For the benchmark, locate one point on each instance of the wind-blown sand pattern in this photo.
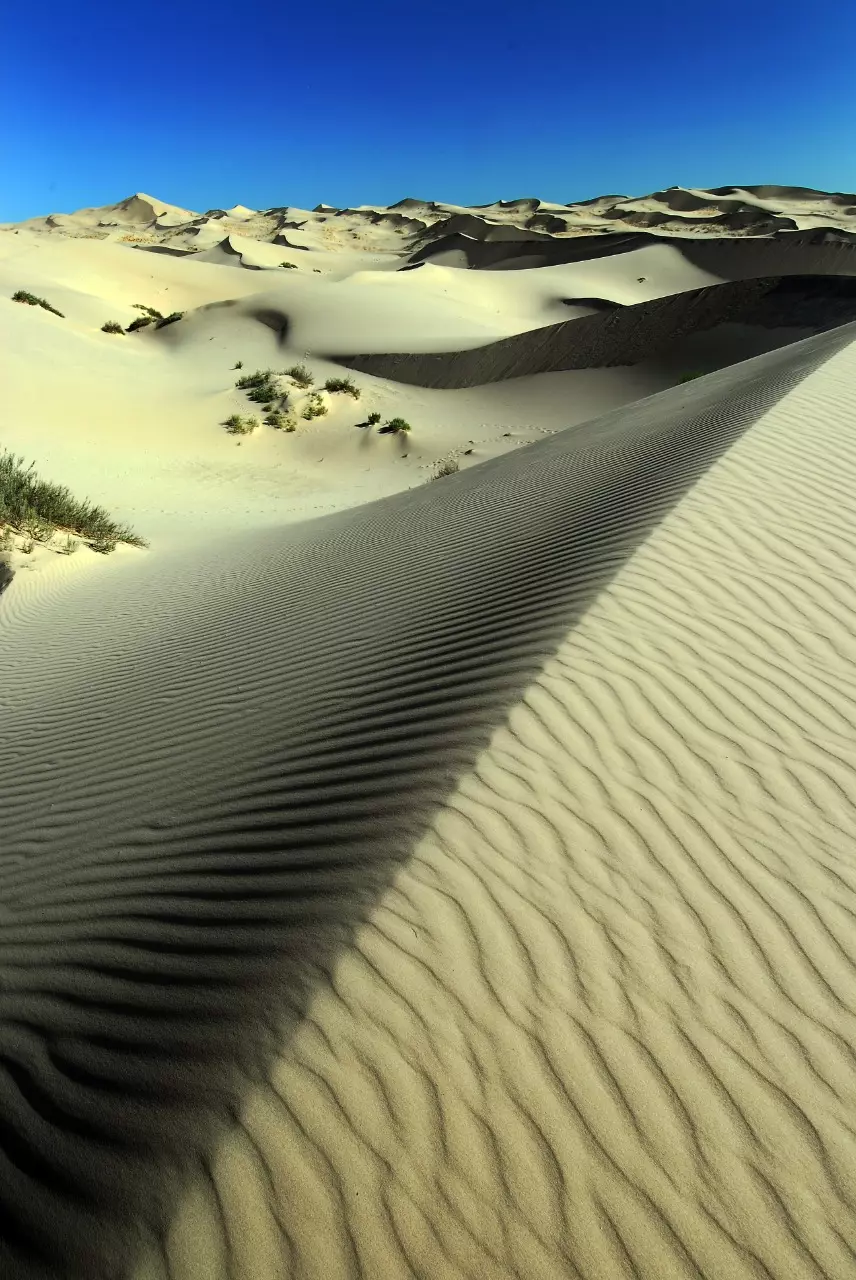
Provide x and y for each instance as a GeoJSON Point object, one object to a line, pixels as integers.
{"type": "Point", "coordinates": [457, 885]}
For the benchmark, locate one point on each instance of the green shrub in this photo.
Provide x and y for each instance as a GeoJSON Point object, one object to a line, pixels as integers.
{"type": "Point", "coordinates": [31, 506]}
{"type": "Point", "coordinates": [239, 364]}
{"type": "Point", "coordinates": [33, 301]}
{"type": "Point", "coordinates": [170, 319]}
{"type": "Point", "coordinates": [293, 265]}
{"type": "Point", "coordinates": [103, 545]}
{"type": "Point", "coordinates": [280, 421]}
{"type": "Point", "coordinates": [260, 386]}
{"type": "Point", "coordinates": [343, 384]}
{"type": "Point", "coordinates": [300, 375]}
{"type": "Point", "coordinates": [373, 419]}
{"type": "Point", "coordinates": [396, 425]}
{"type": "Point", "coordinates": [140, 323]}
{"type": "Point", "coordinates": [315, 406]}
{"type": "Point", "coordinates": [238, 426]}
{"type": "Point", "coordinates": [112, 326]}
{"type": "Point", "coordinates": [150, 311]}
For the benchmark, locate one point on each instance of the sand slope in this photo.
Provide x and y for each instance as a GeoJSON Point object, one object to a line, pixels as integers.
{"type": "Point", "coordinates": [448, 880]}
{"type": "Point", "coordinates": [457, 886]}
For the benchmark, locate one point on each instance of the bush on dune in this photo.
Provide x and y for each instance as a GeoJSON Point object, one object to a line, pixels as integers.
{"type": "Point", "coordinates": [32, 301]}
{"type": "Point", "coordinates": [343, 384]}
{"type": "Point", "coordinates": [150, 311]}
{"type": "Point", "coordinates": [140, 323]}
{"type": "Point", "coordinates": [38, 508]}
{"type": "Point", "coordinates": [170, 319]}
{"type": "Point", "coordinates": [112, 326]}
{"type": "Point", "coordinates": [300, 375]}
{"type": "Point", "coordinates": [315, 406]}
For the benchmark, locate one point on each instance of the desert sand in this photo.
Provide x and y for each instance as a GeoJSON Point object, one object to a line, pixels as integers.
{"type": "Point", "coordinates": [443, 878]}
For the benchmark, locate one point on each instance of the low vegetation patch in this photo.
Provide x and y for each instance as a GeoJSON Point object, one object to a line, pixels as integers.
{"type": "Point", "coordinates": [170, 319]}
{"type": "Point", "coordinates": [281, 421]}
{"type": "Point", "coordinates": [33, 506]}
{"type": "Point", "coordinates": [300, 375]}
{"type": "Point", "coordinates": [292, 265]}
{"type": "Point", "coordinates": [343, 384]}
{"type": "Point", "coordinates": [112, 326]}
{"type": "Point", "coordinates": [238, 426]}
{"type": "Point", "coordinates": [373, 419]}
{"type": "Point", "coordinates": [447, 467]}
{"type": "Point", "coordinates": [260, 386]}
{"type": "Point", "coordinates": [315, 406]}
{"type": "Point", "coordinates": [150, 311]}
{"type": "Point", "coordinates": [395, 426]}
{"type": "Point", "coordinates": [140, 323]}
{"type": "Point", "coordinates": [32, 301]}
{"type": "Point", "coordinates": [239, 364]}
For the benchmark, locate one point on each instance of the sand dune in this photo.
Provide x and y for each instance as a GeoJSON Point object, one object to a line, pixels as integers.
{"type": "Point", "coordinates": [447, 880]}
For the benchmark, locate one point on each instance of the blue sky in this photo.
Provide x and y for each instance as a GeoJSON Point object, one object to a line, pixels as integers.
{"type": "Point", "coordinates": [353, 102]}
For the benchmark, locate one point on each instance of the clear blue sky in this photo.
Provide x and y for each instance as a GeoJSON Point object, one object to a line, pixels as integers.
{"type": "Point", "coordinates": [352, 102]}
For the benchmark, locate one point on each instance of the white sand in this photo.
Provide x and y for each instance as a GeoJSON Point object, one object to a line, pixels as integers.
{"type": "Point", "coordinates": [458, 883]}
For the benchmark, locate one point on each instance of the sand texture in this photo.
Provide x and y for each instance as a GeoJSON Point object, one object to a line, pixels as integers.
{"type": "Point", "coordinates": [450, 879]}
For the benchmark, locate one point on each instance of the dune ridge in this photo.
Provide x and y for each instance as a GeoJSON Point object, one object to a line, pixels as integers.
{"type": "Point", "coordinates": [227, 757]}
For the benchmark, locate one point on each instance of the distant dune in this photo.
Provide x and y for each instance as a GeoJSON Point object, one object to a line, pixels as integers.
{"type": "Point", "coordinates": [432, 855]}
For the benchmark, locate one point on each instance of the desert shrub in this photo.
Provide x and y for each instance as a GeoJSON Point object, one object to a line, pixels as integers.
{"type": "Point", "coordinates": [140, 323]}
{"type": "Point", "coordinates": [373, 419]}
{"type": "Point", "coordinates": [112, 326]}
{"type": "Point", "coordinates": [447, 467]}
{"type": "Point", "coordinates": [396, 425]}
{"type": "Point", "coordinates": [239, 364]}
{"type": "Point", "coordinates": [170, 319]}
{"type": "Point", "coordinates": [33, 301]}
{"type": "Point", "coordinates": [343, 384]}
{"type": "Point", "coordinates": [150, 311]}
{"type": "Point", "coordinates": [280, 421]}
{"type": "Point", "coordinates": [238, 426]}
{"type": "Point", "coordinates": [69, 547]}
{"type": "Point", "coordinates": [38, 529]}
{"type": "Point", "coordinates": [293, 265]}
{"type": "Point", "coordinates": [300, 375]}
{"type": "Point", "coordinates": [7, 541]}
{"type": "Point", "coordinates": [315, 406]}
{"type": "Point", "coordinates": [255, 379]}
{"type": "Point", "coordinates": [260, 386]}
{"type": "Point", "coordinates": [103, 545]}
{"type": "Point", "coordinates": [689, 377]}
{"type": "Point", "coordinates": [31, 505]}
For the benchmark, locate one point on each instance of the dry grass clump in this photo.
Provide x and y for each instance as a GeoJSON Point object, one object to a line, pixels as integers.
{"type": "Point", "coordinates": [32, 301]}
{"type": "Point", "coordinates": [447, 467]}
{"type": "Point", "coordinates": [343, 384]}
{"type": "Point", "coordinates": [37, 509]}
